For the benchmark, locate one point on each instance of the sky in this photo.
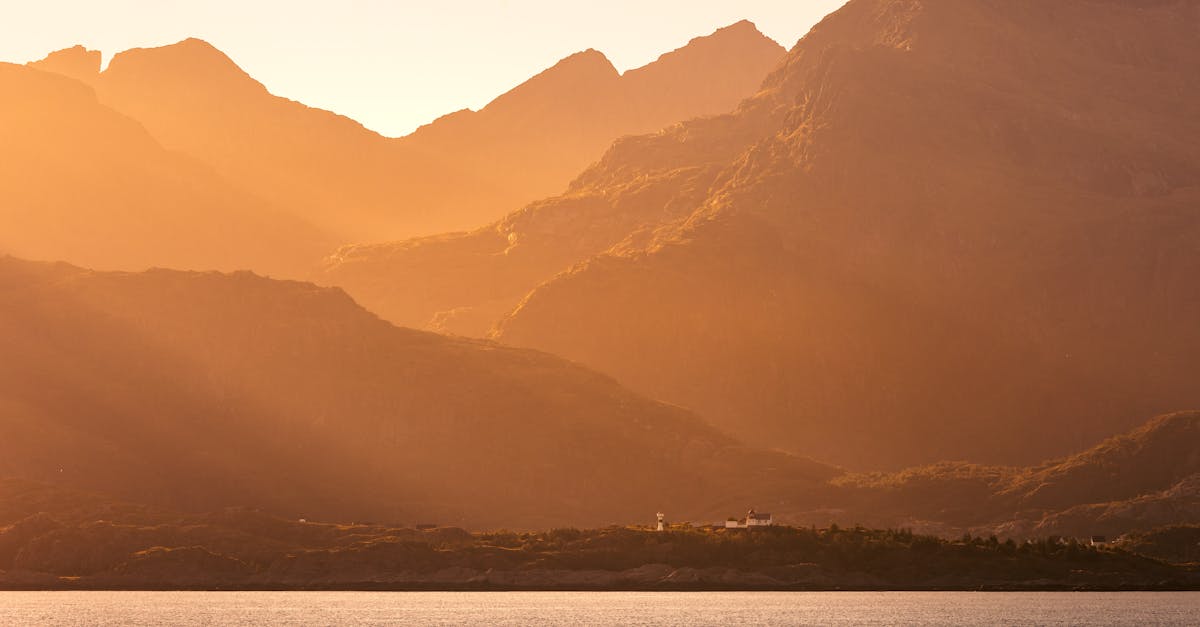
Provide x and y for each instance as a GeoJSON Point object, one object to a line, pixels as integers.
{"type": "Point", "coordinates": [394, 65]}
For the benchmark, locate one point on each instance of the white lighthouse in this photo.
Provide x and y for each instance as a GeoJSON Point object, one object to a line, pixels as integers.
{"type": "Point", "coordinates": [661, 516]}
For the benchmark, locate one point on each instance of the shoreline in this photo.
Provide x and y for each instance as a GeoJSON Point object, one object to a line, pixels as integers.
{"type": "Point", "coordinates": [473, 587]}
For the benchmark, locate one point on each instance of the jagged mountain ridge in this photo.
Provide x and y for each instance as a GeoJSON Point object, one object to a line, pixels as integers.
{"type": "Point", "coordinates": [455, 173]}
{"type": "Point", "coordinates": [951, 225]}
{"type": "Point", "coordinates": [628, 201]}
{"type": "Point", "coordinates": [1003, 252]}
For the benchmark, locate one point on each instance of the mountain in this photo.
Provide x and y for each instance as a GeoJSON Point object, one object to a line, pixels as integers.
{"type": "Point", "coordinates": [530, 142]}
{"type": "Point", "coordinates": [194, 99]}
{"type": "Point", "coordinates": [198, 391]}
{"type": "Point", "coordinates": [1173, 506]}
{"type": "Point", "coordinates": [1177, 543]}
{"type": "Point", "coordinates": [941, 230]}
{"type": "Point", "coordinates": [1152, 457]}
{"type": "Point", "coordinates": [463, 283]}
{"type": "Point", "coordinates": [76, 62]}
{"type": "Point", "coordinates": [85, 183]}
{"type": "Point", "coordinates": [462, 170]}
{"type": "Point", "coordinates": [1136, 481]}
{"type": "Point", "coordinates": [52, 536]}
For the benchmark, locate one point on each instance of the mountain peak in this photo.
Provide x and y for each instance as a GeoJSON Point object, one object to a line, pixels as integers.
{"type": "Point", "coordinates": [582, 74]}
{"type": "Point", "coordinates": [708, 57]}
{"type": "Point", "coordinates": [741, 28]}
{"type": "Point", "coordinates": [76, 62]}
{"type": "Point", "coordinates": [738, 40]}
{"type": "Point", "coordinates": [740, 33]}
{"type": "Point", "coordinates": [590, 60]}
{"type": "Point", "coordinates": [189, 61]}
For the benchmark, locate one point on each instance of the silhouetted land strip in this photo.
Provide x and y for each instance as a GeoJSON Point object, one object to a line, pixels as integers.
{"type": "Point", "coordinates": [246, 550]}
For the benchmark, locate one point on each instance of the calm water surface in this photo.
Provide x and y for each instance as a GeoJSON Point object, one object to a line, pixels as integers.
{"type": "Point", "coordinates": [598, 608]}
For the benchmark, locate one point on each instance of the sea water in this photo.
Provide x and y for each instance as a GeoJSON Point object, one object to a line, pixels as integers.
{"type": "Point", "coordinates": [599, 608]}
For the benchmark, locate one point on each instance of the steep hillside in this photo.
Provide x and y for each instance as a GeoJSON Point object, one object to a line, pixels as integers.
{"type": "Point", "coordinates": [530, 142]}
{"type": "Point", "coordinates": [1178, 543]}
{"type": "Point", "coordinates": [1139, 480]}
{"type": "Point", "coordinates": [1152, 457]}
{"type": "Point", "coordinates": [1179, 504]}
{"type": "Point", "coordinates": [204, 390]}
{"type": "Point", "coordinates": [958, 230]}
{"type": "Point", "coordinates": [462, 283]}
{"type": "Point", "coordinates": [195, 99]}
{"type": "Point", "coordinates": [84, 183]}
{"type": "Point", "coordinates": [458, 172]}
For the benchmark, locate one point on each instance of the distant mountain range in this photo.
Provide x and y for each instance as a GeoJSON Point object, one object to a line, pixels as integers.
{"type": "Point", "coordinates": [198, 391]}
{"type": "Point", "coordinates": [195, 392]}
{"type": "Point", "coordinates": [939, 229]}
{"type": "Point", "coordinates": [462, 170]}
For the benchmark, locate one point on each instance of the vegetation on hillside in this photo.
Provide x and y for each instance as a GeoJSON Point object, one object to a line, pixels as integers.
{"type": "Point", "coordinates": [78, 540]}
{"type": "Point", "coordinates": [1139, 480]}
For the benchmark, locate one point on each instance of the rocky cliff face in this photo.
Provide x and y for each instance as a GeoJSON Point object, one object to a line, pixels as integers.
{"type": "Point", "coordinates": [953, 225]}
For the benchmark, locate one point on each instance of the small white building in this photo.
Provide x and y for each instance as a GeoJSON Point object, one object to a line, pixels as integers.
{"type": "Point", "coordinates": [752, 519]}
{"type": "Point", "coordinates": [756, 519]}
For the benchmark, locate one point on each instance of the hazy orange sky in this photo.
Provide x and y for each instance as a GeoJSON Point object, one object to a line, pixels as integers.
{"type": "Point", "coordinates": [394, 65]}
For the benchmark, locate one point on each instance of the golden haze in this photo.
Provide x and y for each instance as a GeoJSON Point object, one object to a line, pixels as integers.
{"type": "Point", "coordinates": [880, 277]}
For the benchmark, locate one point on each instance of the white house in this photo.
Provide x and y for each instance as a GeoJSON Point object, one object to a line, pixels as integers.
{"type": "Point", "coordinates": [752, 519]}
{"type": "Point", "coordinates": [756, 519]}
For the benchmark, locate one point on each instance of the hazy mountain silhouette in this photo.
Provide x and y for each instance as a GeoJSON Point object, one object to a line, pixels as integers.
{"type": "Point", "coordinates": [948, 229]}
{"type": "Point", "coordinates": [530, 142]}
{"type": "Point", "coordinates": [458, 172]}
{"type": "Point", "coordinates": [194, 99]}
{"type": "Point", "coordinates": [464, 282]}
{"type": "Point", "coordinates": [84, 183]}
{"type": "Point", "coordinates": [76, 62]}
{"type": "Point", "coordinates": [942, 229]}
{"type": "Point", "coordinates": [204, 390]}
